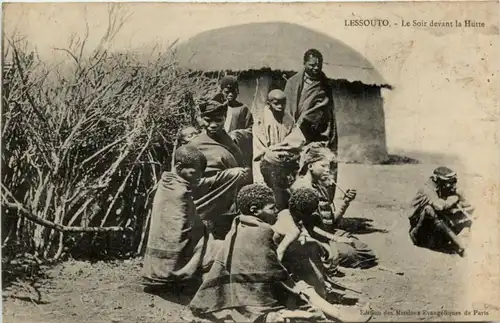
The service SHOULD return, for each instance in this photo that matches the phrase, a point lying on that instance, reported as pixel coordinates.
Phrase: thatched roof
(274, 45)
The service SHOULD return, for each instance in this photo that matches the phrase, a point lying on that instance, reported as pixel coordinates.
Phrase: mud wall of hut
(360, 122)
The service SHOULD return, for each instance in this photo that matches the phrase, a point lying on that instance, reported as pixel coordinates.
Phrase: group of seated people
(247, 215)
(258, 230)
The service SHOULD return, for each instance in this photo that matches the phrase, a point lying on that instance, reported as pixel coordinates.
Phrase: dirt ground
(432, 287)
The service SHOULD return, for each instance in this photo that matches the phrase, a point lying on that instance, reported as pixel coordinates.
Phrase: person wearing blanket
(247, 282)
(179, 247)
(225, 174)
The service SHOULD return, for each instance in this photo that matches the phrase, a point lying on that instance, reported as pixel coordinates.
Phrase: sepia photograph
(250, 162)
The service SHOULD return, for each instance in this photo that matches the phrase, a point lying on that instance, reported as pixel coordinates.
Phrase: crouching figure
(440, 213)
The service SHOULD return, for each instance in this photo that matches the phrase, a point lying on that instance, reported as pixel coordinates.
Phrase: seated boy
(291, 227)
(179, 247)
(247, 282)
(270, 129)
(440, 213)
(278, 173)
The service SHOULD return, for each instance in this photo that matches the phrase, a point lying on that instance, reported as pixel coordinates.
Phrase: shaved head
(276, 100)
(276, 95)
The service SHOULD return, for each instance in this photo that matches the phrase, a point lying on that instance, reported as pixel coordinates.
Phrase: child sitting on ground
(247, 282)
(315, 172)
(298, 250)
(179, 246)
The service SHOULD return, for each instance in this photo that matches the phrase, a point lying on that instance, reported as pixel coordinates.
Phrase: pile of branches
(84, 144)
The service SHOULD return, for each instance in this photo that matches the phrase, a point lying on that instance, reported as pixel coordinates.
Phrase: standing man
(239, 119)
(310, 102)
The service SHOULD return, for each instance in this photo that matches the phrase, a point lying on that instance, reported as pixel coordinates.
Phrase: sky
(446, 94)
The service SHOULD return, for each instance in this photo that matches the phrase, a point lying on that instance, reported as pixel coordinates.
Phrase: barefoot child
(301, 253)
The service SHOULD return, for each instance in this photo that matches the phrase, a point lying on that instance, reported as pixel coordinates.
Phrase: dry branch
(23, 211)
(102, 125)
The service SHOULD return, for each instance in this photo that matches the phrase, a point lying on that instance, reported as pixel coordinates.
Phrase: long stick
(391, 270)
(337, 186)
(23, 212)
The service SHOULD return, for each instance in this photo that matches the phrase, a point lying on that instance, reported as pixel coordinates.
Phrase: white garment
(229, 118)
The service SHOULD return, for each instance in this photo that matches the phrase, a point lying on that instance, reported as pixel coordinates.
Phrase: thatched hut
(264, 55)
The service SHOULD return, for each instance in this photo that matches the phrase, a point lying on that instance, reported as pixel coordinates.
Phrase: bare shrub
(84, 143)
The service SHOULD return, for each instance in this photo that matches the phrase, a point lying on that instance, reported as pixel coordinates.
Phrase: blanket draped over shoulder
(267, 132)
(428, 196)
(312, 107)
(241, 116)
(215, 197)
(426, 232)
(178, 239)
(243, 276)
(221, 154)
(215, 194)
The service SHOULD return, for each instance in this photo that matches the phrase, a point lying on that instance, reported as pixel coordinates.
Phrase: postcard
(257, 162)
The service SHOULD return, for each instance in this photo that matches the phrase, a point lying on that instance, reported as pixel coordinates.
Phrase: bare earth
(432, 281)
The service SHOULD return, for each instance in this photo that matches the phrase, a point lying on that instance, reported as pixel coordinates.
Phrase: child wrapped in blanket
(247, 282)
(179, 247)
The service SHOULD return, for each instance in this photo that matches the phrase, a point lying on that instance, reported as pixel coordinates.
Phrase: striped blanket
(246, 275)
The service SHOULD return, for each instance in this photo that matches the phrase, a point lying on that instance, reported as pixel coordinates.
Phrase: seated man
(226, 171)
(247, 282)
(179, 246)
(440, 213)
